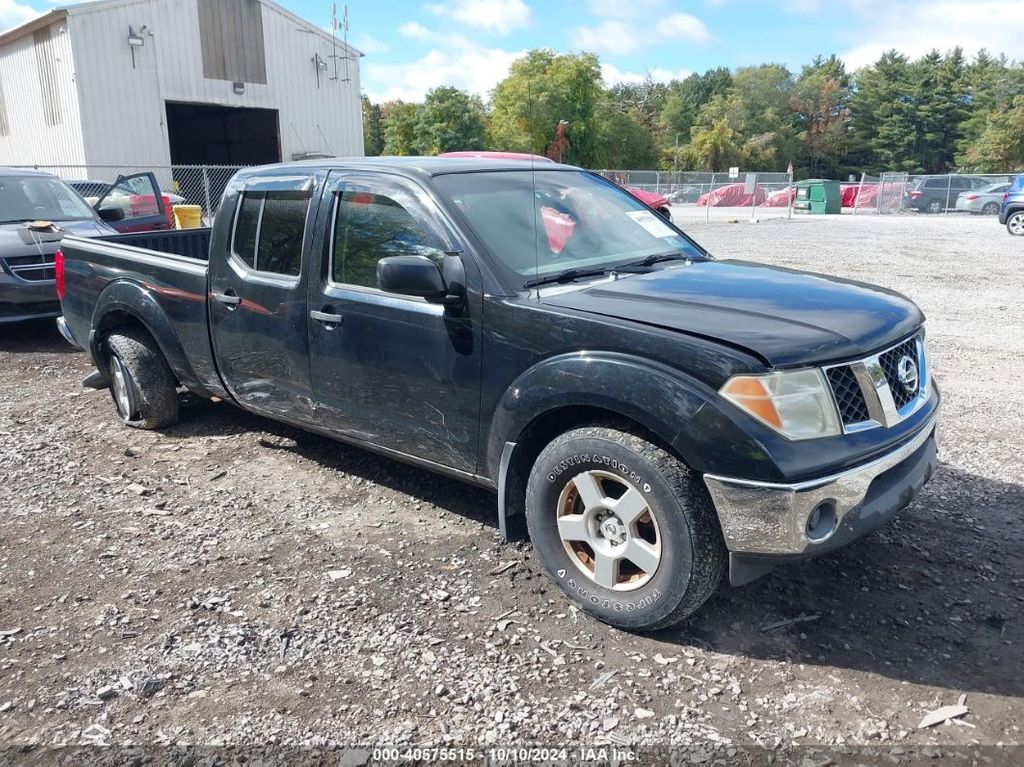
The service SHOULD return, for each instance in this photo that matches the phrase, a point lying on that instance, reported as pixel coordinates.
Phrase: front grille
(849, 398)
(890, 361)
(34, 268)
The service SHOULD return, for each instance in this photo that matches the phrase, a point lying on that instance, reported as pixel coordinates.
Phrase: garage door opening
(202, 134)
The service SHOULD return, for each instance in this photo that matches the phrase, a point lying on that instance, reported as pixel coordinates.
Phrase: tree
(763, 94)
(449, 120)
(542, 88)
(625, 142)
(1000, 147)
(717, 137)
(821, 103)
(685, 99)
(882, 115)
(400, 128)
(373, 128)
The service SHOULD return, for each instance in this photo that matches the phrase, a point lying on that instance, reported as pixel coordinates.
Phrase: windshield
(32, 198)
(567, 220)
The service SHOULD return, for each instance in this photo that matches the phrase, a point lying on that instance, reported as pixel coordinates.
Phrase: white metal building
(159, 82)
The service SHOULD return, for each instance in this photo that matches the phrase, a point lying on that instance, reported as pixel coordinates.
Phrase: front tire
(142, 385)
(624, 528)
(1015, 223)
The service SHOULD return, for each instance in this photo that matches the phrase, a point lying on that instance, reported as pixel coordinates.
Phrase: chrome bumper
(65, 331)
(763, 518)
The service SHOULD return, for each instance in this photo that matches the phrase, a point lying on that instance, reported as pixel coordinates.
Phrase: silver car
(985, 200)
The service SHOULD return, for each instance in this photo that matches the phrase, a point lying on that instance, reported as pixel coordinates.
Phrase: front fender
(660, 398)
(124, 297)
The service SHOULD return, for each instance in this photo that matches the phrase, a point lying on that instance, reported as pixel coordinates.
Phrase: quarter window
(369, 227)
(269, 231)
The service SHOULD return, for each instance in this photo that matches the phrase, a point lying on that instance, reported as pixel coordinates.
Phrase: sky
(410, 46)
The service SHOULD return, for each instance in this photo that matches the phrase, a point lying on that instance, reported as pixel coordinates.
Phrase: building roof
(59, 14)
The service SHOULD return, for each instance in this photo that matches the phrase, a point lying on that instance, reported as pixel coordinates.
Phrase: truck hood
(17, 240)
(783, 316)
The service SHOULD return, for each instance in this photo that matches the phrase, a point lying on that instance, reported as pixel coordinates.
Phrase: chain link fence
(707, 196)
(979, 194)
(201, 185)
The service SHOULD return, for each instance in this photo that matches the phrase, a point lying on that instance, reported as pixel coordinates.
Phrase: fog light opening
(821, 522)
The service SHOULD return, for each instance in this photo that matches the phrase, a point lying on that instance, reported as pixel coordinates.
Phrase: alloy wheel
(609, 530)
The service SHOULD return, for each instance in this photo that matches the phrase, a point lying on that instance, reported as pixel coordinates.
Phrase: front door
(388, 369)
(135, 204)
(258, 295)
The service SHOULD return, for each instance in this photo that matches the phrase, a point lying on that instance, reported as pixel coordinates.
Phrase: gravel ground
(233, 581)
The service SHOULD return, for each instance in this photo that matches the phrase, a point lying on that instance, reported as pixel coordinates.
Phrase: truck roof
(8, 172)
(412, 166)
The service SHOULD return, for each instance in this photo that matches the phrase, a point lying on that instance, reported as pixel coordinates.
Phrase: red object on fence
(731, 196)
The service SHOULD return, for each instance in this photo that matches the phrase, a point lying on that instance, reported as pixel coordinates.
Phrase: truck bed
(161, 276)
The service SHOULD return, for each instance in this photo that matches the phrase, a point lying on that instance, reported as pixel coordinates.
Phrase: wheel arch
(564, 392)
(126, 304)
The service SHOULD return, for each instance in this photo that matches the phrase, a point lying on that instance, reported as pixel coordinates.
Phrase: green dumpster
(818, 195)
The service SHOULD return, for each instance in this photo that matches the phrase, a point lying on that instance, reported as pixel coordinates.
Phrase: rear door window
(269, 231)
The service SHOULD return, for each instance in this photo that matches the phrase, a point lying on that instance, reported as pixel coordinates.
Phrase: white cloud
(618, 36)
(683, 26)
(608, 37)
(496, 16)
(13, 13)
(802, 6)
(415, 31)
(916, 28)
(369, 44)
(455, 61)
(612, 75)
(623, 9)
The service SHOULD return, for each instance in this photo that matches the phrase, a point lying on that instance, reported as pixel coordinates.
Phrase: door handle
(330, 320)
(229, 298)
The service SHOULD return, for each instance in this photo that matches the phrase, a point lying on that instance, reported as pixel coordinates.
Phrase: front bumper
(766, 523)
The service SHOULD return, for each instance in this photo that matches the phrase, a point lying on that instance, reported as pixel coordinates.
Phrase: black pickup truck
(658, 415)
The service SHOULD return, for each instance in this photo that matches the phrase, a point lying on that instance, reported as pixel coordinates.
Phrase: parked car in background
(984, 200)
(661, 417)
(936, 194)
(36, 211)
(143, 207)
(659, 202)
(93, 190)
(1012, 211)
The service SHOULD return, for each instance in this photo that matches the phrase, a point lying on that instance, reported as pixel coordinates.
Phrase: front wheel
(141, 382)
(624, 528)
(1015, 223)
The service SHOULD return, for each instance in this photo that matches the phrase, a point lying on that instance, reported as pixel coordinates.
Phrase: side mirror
(111, 214)
(411, 276)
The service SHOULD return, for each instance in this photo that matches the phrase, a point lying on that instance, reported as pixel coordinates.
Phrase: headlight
(796, 403)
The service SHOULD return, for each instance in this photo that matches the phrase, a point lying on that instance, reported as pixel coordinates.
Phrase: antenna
(343, 26)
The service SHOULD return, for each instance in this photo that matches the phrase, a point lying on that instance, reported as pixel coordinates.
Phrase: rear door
(258, 294)
(389, 369)
(139, 202)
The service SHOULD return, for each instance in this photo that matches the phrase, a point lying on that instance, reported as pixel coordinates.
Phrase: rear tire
(933, 206)
(142, 385)
(665, 213)
(990, 209)
(624, 528)
(1015, 223)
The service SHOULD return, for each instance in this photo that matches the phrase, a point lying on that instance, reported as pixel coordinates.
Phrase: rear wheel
(665, 213)
(142, 385)
(624, 528)
(934, 206)
(990, 209)
(1015, 223)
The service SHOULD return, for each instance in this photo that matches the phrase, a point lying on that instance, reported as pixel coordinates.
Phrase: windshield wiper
(656, 258)
(566, 276)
